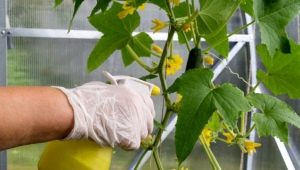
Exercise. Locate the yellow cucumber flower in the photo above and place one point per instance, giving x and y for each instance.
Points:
(208, 59)
(229, 137)
(251, 146)
(207, 135)
(175, 2)
(157, 48)
(142, 7)
(173, 64)
(178, 98)
(158, 25)
(127, 9)
(186, 27)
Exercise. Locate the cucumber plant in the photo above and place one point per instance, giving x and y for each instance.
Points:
(206, 111)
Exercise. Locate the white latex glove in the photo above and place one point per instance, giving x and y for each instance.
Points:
(110, 114)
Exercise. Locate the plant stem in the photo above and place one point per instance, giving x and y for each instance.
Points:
(198, 38)
(189, 15)
(164, 86)
(228, 129)
(160, 67)
(242, 148)
(242, 128)
(138, 60)
(160, 131)
(250, 130)
(160, 70)
(252, 90)
(186, 41)
(171, 13)
(229, 35)
(222, 140)
(165, 50)
(157, 159)
(211, 156)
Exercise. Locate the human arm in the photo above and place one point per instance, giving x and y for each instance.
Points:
(108, 114)
(32, 115)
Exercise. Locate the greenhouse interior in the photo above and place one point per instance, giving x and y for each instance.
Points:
(149, 84)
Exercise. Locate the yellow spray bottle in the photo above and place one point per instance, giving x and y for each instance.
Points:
(86, 154)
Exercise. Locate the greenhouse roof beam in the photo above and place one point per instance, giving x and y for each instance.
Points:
(88, 34)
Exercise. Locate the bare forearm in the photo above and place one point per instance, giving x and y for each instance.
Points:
(33, 114)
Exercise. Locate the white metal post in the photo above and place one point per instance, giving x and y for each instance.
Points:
(253, 69)
(3, 53)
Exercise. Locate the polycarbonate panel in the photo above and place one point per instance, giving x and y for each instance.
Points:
(42, 14)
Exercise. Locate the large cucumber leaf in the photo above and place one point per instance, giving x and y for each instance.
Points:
(272, 18)
(117, 33)
(273, 117)
(200, 100)
(282, 75)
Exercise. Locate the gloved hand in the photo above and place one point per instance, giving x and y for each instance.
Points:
(110, 114)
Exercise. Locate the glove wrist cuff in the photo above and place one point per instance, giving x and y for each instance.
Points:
(79, 131)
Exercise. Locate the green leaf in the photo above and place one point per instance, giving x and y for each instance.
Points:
(141, 44)
(274, 116)
(272, 18)
(139, 3)
(194, 86)
(77, 4)
(57, 2)
(214, 122)
(160, 3)
(101, 4)
(247, 6)
(266, 125)
(117, 33)
(181, 11)
(104, 48)
(223, 47)
(108, 22)
(181, 38)
(199, 102)
(230, 101)
(214, 15)
(282, 74)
